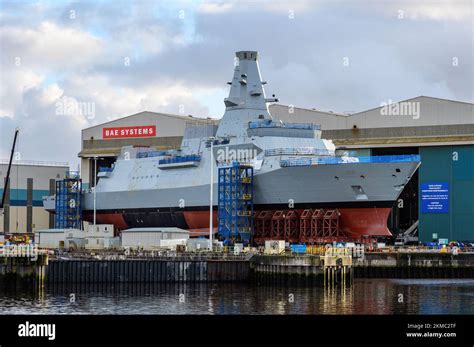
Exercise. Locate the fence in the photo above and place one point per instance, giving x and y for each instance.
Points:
(349, 160)
(182, 159)
(151, 154)
(271, 124)
(298, 151)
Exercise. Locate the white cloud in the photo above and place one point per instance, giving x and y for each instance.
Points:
(143, 41)
(30, 55)
(50, 94)
(117, 101)
(440, 10)
(216, 7)
(49, 47)
(280, 6)
(443, 10)
(13, 83)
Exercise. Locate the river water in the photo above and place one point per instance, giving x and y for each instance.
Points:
(365, 296)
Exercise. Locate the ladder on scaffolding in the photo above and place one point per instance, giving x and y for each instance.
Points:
(235, 202)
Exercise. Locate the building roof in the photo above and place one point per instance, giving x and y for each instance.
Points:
(422, 120)
(416, 97)
(187, 118)
(55, 231)
(433, 111)
(329, 113)
(190, 118)
(34, 163)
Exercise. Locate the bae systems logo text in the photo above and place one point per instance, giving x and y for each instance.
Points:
(135, 131)
(37, 330)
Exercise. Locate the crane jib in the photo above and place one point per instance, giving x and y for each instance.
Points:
(7, 178)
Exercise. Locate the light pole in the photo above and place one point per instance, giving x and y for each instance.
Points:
(211, 203)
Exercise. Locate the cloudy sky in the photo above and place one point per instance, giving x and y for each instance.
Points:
(115, 58)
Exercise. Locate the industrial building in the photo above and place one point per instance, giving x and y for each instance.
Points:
(440, 131)
(50, 238)
(30, 181)
(153, 238)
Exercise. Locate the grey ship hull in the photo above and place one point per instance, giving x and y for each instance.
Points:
(318, 186)
(302, 184)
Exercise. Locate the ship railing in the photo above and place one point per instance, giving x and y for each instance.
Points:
(168, 255)
(180, 159)
(299, 151)
(432, 249)
(270, 124)
(349, 160)
(192, 256)
(217, 142)
(223, 163)
(151, 154)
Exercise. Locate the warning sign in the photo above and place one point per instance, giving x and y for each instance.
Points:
(435, 197)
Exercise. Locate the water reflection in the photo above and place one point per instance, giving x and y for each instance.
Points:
(368, 296)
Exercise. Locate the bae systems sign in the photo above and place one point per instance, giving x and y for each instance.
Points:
(136, 131)
(435, 197)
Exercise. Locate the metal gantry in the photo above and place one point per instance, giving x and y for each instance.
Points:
(235, 204)
(68, 202)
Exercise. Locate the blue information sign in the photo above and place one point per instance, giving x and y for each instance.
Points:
(435, 197)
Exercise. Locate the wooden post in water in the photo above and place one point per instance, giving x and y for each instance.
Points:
(337, 266)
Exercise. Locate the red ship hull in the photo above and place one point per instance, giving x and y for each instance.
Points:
(354, 222)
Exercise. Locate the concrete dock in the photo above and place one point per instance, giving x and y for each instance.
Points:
(23, 271)
(414, 265)
(271, 269)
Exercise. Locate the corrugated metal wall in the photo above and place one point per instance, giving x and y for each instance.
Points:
(438, 165)
(24, 210)
(145, 271)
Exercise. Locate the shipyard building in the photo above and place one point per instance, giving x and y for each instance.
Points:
(438, 201)
(30, 181)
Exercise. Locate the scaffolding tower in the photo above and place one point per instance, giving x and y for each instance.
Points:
(68, 202)
(235, 202)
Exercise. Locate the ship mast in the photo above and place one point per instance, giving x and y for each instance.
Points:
(246, 101)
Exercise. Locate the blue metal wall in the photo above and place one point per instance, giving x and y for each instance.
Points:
(454, 165)
(18, 197)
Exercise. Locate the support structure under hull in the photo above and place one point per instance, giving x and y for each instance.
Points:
(355, 221)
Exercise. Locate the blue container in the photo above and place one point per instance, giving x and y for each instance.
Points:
(298, 248)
